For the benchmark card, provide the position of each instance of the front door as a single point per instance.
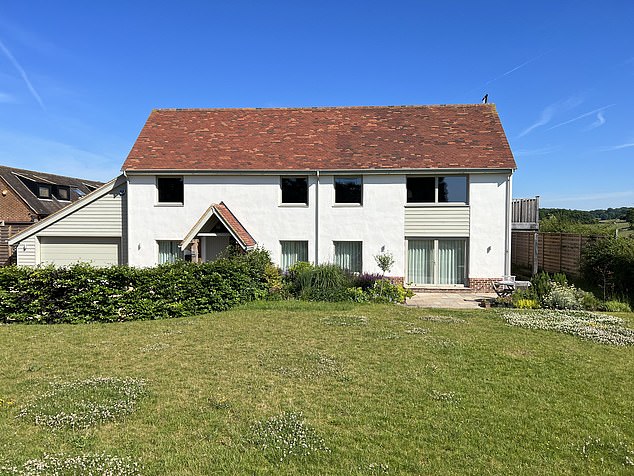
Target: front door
(214, 246)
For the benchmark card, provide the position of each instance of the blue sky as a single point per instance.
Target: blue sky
(78, 79)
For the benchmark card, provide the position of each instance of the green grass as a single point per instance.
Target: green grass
(387, 389)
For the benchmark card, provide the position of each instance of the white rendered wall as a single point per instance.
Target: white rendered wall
(255, 200)
(379, 222)
(487, 240)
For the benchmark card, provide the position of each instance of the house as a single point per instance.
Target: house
(27, 196)
(429, 184)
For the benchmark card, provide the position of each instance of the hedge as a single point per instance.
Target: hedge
(82, 293)
(609, 265)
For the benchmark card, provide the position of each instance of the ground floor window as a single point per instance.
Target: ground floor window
(348, 255)
(169, 252)
(292, 252)
(437, 261)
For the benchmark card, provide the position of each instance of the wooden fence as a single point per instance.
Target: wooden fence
(6, 232)
(556, 252)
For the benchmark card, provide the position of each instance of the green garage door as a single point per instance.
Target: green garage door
(63, 251)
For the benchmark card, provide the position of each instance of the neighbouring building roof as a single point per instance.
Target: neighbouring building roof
(23, 182)
(228, 220)
(69, 209)
(324, 138)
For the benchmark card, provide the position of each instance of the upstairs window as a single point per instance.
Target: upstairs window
(348, 190)
(170, 189)
(43, 190)
(448, 189)
(294, 190)
(452, 189)
(421, 189)
(62, 193)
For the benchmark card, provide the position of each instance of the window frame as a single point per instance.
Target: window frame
(62, 188)
(44, 186)
(436, 190)
(282, 243)
(360, 255)
(179, 255)
(435, 260)
(158, 191)
(294, 204)
(348, 204)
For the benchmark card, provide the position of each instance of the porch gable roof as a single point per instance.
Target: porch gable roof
(228, 219)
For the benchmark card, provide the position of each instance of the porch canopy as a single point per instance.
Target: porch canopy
(218, 217)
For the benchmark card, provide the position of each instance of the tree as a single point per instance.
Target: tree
(629, 216)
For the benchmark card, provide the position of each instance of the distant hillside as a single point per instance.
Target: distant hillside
(592, 216)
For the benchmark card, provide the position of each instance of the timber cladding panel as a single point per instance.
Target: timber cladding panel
(103, 217)
(557, 252)
(6, 232)
(449, 221)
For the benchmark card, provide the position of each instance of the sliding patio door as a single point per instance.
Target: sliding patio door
(420, 261)
(436, 261)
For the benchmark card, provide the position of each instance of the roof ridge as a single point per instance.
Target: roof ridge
(304, 108)
(18, 171)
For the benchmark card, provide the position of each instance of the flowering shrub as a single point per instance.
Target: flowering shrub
(86, 464)
(286, 435)
(562, 296)
(329, 282)
(366, 280)
(587, 325)
(84, 403)
(386, 291)
(526, 304)
(83, 293)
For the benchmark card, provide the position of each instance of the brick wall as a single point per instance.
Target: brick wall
(12, 208)
(482, 285)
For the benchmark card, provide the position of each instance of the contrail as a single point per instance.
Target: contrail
(23, 74)
(581, 116)
(515, 68)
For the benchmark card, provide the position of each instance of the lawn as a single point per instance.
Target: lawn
(371, 389)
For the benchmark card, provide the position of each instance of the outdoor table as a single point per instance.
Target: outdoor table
(506, 287)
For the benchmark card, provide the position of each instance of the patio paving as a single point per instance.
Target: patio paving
(449, 300)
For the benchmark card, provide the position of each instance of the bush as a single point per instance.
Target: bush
(83, 293)
(540, 286)
(609, 264)
(562, 296)
(325, 282)
(365, 281)
(328, 282)
(615, 306)
(386, 291)
(526, 304)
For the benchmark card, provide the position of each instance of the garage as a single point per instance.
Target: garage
(65, 250)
